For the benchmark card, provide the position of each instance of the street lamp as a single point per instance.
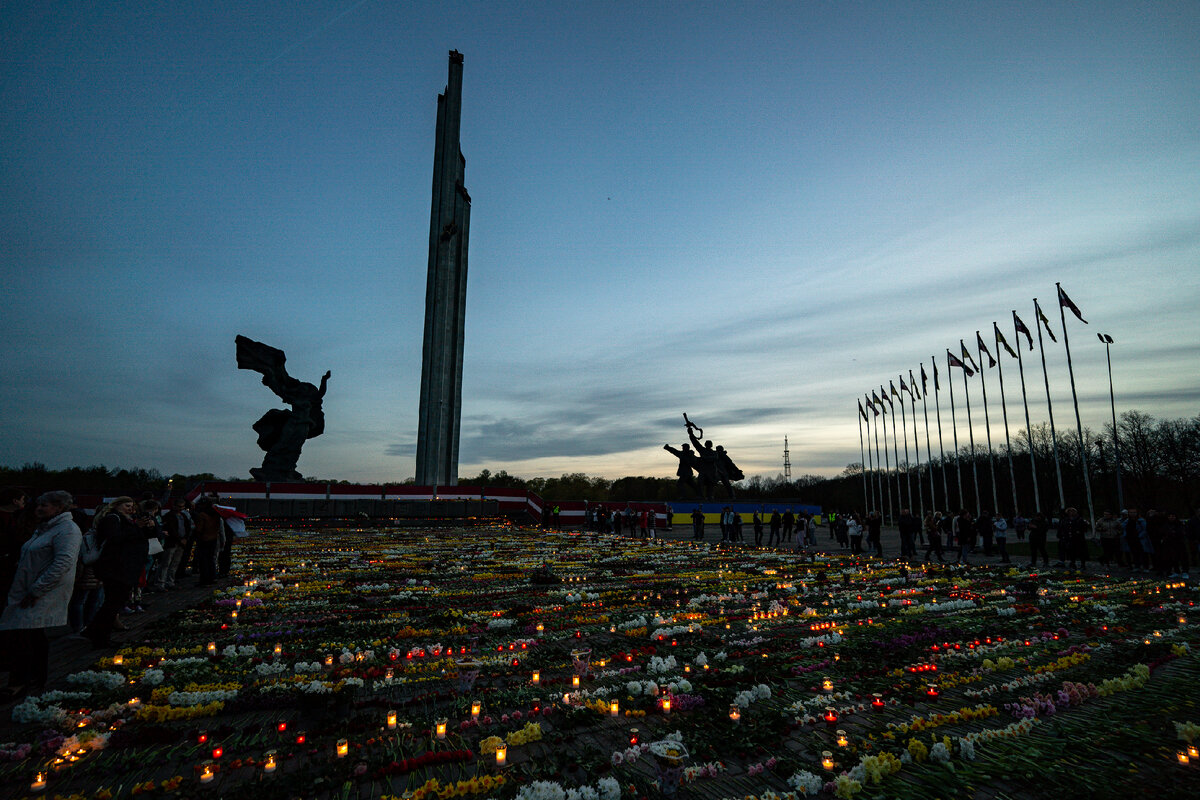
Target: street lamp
(1107, 341)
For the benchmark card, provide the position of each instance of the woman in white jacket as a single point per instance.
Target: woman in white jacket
(41, 591)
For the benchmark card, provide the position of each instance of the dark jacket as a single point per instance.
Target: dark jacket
(125, 549)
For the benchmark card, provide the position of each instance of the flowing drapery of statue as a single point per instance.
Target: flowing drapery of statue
(281, 433)
(713, 465)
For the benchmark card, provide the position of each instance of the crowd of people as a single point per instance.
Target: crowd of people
(63, 565)
(641, 524)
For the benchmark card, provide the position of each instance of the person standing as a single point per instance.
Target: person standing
(1073, 533)
(41, 590)
(789, 524)
(933, 536)
(1038, 528)
(855, 532)
(758, 527)
(698, 525)
(1000, 531)
(177, 530)
(13, 534)
(875, 532)
(1019, 524)
(964, 529)
(776, 524)
(1136, 541)
(208, 535)
(125, 546)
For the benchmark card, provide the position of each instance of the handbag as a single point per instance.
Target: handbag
(90, 549)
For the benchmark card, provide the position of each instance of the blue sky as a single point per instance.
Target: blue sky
(752, 212)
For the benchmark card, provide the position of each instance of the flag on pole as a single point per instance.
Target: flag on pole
(904, 387)
(875, 397)
(1045, 323)
(1065, 302)
(891, 405)
(861, 412)
(1003, 342)
(967, 355)
(871, 406)
(1022, 329)
(916, 394)
(893, 385)
(954, 362)
(937, 384)
(983, 349)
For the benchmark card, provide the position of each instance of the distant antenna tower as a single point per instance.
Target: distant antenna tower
(787, 462)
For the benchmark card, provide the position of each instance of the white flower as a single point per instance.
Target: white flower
(806, 782)
(634, 688)
(153, 677)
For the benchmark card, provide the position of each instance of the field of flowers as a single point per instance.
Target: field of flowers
(502, 663)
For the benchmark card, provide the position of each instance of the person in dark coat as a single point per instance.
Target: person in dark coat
(125, 544)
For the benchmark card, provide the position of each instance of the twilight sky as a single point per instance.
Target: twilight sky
(752, 212)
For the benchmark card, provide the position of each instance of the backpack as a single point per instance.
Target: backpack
(90, 549)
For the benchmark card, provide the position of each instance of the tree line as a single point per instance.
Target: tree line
(1159, 465)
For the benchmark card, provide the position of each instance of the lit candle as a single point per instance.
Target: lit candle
(932, 691)
(827, 760)
(1192, 751)
(207, 773)
(301, 738)
(118, 660)
(476, 707)
(1183, 757)
(343, 748)
(831, 715)
(233, 616)
(842, 739)
(574, 681)
(878, 701)
(666, 705)
(735, 713)
(217, 752)
(281, 727)
(612, 708)
(391, 720)
(827, 684)
(329, 662)
(537, 677)
(502, 755)
(278, 650)
(39, 783)
(202, 737)
(441, 728)
(212, 648)
(540, 627)
(269, 763)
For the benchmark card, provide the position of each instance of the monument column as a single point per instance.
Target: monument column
(445, 295)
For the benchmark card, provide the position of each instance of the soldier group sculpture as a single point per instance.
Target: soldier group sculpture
(712, 464)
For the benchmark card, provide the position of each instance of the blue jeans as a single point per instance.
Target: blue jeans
(82, 607)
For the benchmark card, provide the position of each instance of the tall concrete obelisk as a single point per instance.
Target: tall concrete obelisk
(445, 295)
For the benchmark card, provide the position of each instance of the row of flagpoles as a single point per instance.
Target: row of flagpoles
(877, 470)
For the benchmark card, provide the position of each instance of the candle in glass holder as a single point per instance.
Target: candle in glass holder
(1192, 751)
(666, 705)
(827, 760)
(329, 662)
(633, 737)
(233, 616)
(574, 681)
(831, 715)
(269, 762)
(39, 783)
(540, 627)
(827, 684)
(207, 773)
(202, 737)
(502, 755)
(476, 707)
(440, 728)
(735, 712)
(613, 708)
(278, 650)
(1183, 757)
(878, 701)
(118, 660)
(842, 739)
(217, 752)
(281, 727)
(212, 648)
(932, 691)
(301, 738)
(343, 748)
(537, 678)
(391, 720)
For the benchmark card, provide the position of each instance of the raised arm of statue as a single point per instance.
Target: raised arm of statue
(324, 382)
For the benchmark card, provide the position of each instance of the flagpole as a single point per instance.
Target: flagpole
(937, 407)
(987, 424)
(1062, 498)
(896, 452)
(863, 454)
(868, 461)
(928, 445)
(962, 503)
(907, 463)
(877, 459)
(1037, 495)
(912, 399)
(971, 433)
(1087, 480)
(887, 465)
(1112, 399)
(1012, 473)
